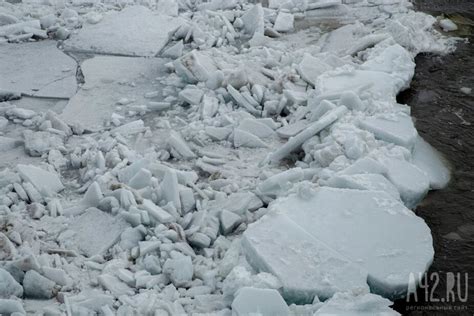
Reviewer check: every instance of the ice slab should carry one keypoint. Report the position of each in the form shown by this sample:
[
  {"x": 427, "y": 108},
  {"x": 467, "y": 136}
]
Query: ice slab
[
  {"x": 412, "y": 182},
  {"x": 134, "y": 31},
  {"x": 264, "y": 302},
  {"x": 395, "y": 128},
  {"x": 356, "y": 304},
  {"x": 46, "y": 182},
  {"x": 371, "y": 182},
  {"x": 381, "y": 85},
  {"x": 95, "y": 231},
  {"x": 284, "y": 22},
  {"x": 311, "y": 67},
  {"x": 37, "y": 69},
  {"x": 431, "y": 162},
  {"x": 305, "y": 266},
  {"x": 104, "y": 85},
  {"x": 368, "y": 229}
]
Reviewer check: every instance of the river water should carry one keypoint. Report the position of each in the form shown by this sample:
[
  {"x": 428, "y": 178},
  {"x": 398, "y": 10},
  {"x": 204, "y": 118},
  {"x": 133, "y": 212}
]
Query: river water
[{"x": 444, "y": 116}]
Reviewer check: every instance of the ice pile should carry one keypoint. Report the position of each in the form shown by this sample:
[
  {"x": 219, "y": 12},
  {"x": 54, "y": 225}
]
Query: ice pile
[{"x": 213, "y": 156}]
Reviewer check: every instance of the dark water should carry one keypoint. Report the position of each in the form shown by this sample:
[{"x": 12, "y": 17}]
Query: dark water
[{"x": 445, "y": 118}]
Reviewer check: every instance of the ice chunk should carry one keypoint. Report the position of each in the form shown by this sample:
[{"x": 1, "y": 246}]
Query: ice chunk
[
  {"x": 46, "y": 182},
  {"x": 295, "y": 142},
  {"x": 114, "y": 285},
  {"x": 305, "y": 267},
  {"x": 256, "y": 128},
  {"x": 37, "y": 69},
  {"x": 170, "y": 189},
  {"x": 179, "y": 146},
  {"x": 447, "y": 25},
  {"x": 9, "y": 286},
  {"x": 174, "y": 51},
  {"x": 95, "y": 231},
  {"x": 180, "y": 269},
  {"x": 218, "y": 133},
  {"x": 141, "y": 179},
  {"x": 195, "y": 66},
  {"x": 104, "y": 77},
  {"x": 411, "y": 182},
  {"x": 352, "y": 101},
  {"x": 229, "y": 221},
  {"x": 264, "y": 302},
  {"x": 242, "y": 101},
  {"x": 370, "y": 229},
  {"x": 371, "y": 182},
  {"x": 130, "y": 128},
  {"x": 7, "y": 143},
  {"x": 169, "y": 7},
  {"x": 349, "y": 303},
  {"x": 245, "y": 139},
  {"x": 157, "y": 212},
  {"x": 365, "y": 165},
  {"x": 39, "y": 143},
  {"x": 37, "y": 286},
  {"x": 254, "y": 24},
  {"x": 291, "y": 130},
  {"x": 284, "y": 22},
  {"x": 279, "y": 183},
  {"x": 134, "y": 31},
  {"x": 397, "y": 129},
  {"x": 431, "y": 162},
  {"x": 394, "y": 60},
  {"x": 311, "y": 67},
  {"x": 8, "y": 307},
  {"x": 191, "y": 96}
]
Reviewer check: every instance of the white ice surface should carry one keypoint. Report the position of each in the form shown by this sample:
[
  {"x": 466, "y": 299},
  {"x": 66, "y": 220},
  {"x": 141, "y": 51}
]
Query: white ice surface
[
  {"x": 412, "y": 182},
  {"x": 432, "y": 163},
  {"x": 37, "y": 69},
  {"x": 396, "y": 128},
  {"x": 107, "y": 80},
  {"x": 134, "y": 31},
  {"x": 95, "y": 231},
  {"x": 264, "y": 302},
  {"x": 46, "y": 182},
  {"x": 356, "y": 304},
  {"x": 368, "y": 229}
]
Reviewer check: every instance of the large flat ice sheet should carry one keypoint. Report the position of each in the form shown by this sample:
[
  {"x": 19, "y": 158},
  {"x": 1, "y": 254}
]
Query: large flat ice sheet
[
  {"x": 37, "y": 69},
  {"x": 107, "y": 80},
  {"x": 134, "y": 31},
  {"x": 366, "y": 229}
]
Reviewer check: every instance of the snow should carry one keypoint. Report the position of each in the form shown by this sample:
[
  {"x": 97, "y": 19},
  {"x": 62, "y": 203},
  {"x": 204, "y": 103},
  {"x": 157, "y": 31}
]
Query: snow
[
  {"x": 134, "y": 31},
  {"x": 265, "y": 302},
  {"x": 342, "y": 224},
  {"x": 37, "y": 69}
]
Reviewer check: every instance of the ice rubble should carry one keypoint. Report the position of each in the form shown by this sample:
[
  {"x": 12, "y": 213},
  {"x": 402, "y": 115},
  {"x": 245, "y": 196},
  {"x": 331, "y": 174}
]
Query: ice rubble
[{"x": 240, "y": 162}]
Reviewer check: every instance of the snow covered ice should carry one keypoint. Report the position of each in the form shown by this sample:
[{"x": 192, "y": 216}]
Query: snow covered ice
[{"x": 212, "y": 157}]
